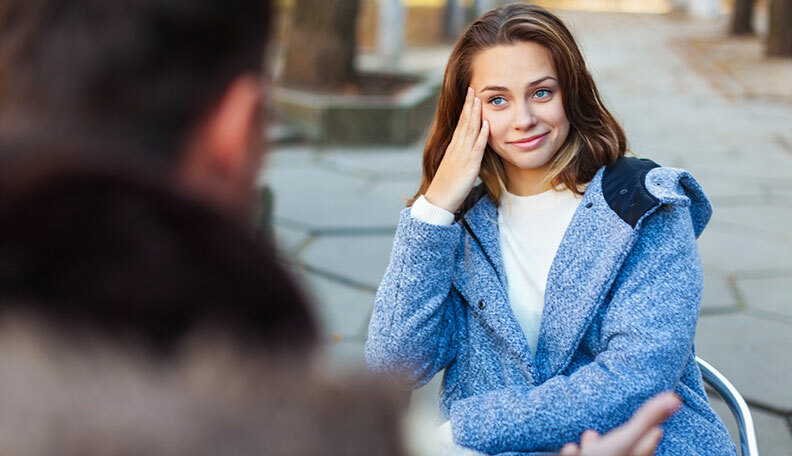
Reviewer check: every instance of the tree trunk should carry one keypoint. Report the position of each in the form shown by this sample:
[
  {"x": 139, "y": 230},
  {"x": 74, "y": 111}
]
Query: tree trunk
[
  {"x": 779, "y": 35},
  {"x": 320, "y": 51},
  {"x": 742, "y": 18},
  {"x": 453, "y": 20}
]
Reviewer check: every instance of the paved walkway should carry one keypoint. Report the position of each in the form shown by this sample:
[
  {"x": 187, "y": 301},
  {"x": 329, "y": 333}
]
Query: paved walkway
[{"x": 336, "y": 210}]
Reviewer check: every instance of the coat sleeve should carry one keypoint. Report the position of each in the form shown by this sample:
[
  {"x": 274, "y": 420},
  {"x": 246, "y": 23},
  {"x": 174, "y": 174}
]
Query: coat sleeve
[
  {"x": 413, "y": 330},
  {"x": 647, "y": 333}
]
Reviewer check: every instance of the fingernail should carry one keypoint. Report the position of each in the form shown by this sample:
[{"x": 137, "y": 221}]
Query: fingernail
[
  {"x": 485, "y": 124},
  {"x": 470, "y": 91},
  {"x": 476, "y": 101}
]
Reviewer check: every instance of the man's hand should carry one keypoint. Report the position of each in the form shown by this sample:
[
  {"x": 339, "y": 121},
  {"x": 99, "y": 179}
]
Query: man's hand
[{"x": 638, "y": 437}]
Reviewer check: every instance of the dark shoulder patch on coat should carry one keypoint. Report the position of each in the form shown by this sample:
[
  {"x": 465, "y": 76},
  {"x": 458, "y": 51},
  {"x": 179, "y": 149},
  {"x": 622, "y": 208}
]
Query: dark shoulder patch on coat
[
  {"x": 473, "y": 197},
  {"x": 624, "y": 188}
]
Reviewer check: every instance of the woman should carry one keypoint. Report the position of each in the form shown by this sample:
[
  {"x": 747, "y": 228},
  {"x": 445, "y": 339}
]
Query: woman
[{"x": 561, "y": 292}]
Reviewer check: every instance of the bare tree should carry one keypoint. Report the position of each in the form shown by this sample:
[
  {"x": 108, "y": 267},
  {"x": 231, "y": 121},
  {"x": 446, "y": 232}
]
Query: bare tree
[
  {"x": 779, "y": 36},
  {"x": 742, "y": 18},
  {"x": 320, "y": 51}
]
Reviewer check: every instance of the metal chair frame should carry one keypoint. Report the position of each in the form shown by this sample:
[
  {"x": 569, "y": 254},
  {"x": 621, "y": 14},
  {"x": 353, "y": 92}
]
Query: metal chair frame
[{"x": 739, "y": 408}]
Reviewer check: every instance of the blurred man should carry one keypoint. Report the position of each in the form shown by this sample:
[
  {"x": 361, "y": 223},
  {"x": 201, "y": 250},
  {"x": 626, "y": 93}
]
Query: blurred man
[{"x": 130, "y": 139}]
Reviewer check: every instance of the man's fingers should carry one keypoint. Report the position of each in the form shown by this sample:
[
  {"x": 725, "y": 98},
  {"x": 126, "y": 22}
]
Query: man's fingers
[
  {"x": 648, "y": 443},
  {"x": 589, "y": 437},
  {"x": 643, "y": 426},
  {"x": 652, "y": 413},
  {"x": 570, "y": 449}
]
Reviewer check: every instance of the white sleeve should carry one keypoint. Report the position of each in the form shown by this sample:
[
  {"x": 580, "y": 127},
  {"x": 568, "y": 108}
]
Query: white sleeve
[{"x": 427, "y": 212}]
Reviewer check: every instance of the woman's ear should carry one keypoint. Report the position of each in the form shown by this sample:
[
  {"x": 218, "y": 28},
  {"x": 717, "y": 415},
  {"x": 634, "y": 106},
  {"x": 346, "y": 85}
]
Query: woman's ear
[{"x": 223, "y": 156}]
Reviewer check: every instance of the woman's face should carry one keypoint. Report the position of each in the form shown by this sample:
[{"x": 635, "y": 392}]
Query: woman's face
[{"x": 521, "y": 98}]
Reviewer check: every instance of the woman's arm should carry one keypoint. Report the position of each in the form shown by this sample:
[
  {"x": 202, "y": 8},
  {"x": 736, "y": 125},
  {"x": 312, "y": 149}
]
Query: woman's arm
[
  {"x": 647, "y": 330},
  {"x": 412, "y": 330}
]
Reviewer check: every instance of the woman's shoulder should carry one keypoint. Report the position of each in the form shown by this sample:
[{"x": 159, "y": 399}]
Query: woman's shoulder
[{"x": 632, "y": 187}]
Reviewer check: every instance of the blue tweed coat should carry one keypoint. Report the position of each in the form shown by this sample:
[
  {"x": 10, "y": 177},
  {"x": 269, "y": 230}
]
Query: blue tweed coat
[{"x": 620, "y": 313}]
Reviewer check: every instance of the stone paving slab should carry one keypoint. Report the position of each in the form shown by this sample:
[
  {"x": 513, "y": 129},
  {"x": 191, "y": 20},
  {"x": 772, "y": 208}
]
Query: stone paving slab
[
  {"x": 772, "y": 431},
  {"x": 753, "y": 353},
  {"x": 721, "y": 249},
  {"x": 769, "y": 220},
  {"x": 768, "y": 294},
  {"x": 290, "y": 240},
  {"x": 323, "y": 199},
  {"x": 774, "y": 164},
  {"x": 385, "y": 163},
  {"x": 633, "y": 68},
  {"x": 723, "y": 190},
  {"x": 288, "y": 157},
  {"x": 718, "y": 294},
  {"x": 360, "y": 259},
  {"x": 343, "y": 311},
  {"x": 786, "y": 192}
]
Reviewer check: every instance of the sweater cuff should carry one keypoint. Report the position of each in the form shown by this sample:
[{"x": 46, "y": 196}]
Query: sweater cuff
[{"x": 427, "y": 212}]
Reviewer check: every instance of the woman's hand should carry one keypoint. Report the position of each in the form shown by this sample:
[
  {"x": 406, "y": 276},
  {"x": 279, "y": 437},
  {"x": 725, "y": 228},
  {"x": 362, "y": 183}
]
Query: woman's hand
[
  {"x": 462, "y": 159},
  {"x": 638, "y": 437}
]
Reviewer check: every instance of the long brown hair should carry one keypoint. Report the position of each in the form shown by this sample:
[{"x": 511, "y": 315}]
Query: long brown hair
[{"x": 595, "y": 137}]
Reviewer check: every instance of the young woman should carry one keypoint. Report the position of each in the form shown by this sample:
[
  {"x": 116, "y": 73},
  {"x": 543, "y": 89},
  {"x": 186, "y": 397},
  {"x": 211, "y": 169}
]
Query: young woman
[{"x": 561, "y": 292}]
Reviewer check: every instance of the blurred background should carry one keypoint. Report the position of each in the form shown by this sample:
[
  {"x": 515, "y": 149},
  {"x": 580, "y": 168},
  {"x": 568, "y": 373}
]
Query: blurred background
[{"x": 704, "y": 85}]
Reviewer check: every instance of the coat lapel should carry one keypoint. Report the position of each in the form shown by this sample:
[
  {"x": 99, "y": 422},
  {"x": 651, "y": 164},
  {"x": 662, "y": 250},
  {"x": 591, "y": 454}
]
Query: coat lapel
[
  {"x": 479, "y": 281},
  {"x": 483, "y": 221},
  {"x": 588, "y": 259}
]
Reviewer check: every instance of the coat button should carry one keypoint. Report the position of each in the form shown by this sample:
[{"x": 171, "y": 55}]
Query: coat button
[{"x": 482, "y": 305}]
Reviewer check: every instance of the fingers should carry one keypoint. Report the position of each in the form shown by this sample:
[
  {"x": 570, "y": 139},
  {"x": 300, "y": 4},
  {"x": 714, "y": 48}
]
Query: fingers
[
  {"x": 641, "y": 434},
  {"x": 481, "y": 142},
  {"x": 474, "y": 123},
  {"x": 588, "y": 439},
  {"x": 652, "y": 413},
  {"x": 570, "y": 449},
  {"x": 648, "y": 443},
  {"x": 464, "y": 118}
]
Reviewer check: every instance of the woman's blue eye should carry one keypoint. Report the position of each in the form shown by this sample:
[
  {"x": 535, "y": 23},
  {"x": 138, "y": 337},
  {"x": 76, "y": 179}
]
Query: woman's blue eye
[
  {"x": 542, "y": 93},
  {"x": 498, "y": 101}
]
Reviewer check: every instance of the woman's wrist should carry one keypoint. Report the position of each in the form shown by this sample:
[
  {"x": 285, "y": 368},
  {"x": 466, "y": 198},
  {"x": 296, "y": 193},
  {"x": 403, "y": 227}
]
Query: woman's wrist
[
  {"x": 439, "y": 199},
  {"x": 423, "y": 210}
]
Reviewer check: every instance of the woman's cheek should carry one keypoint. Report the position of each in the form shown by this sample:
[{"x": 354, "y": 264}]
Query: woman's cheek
[{"x": 495, "y": 127}]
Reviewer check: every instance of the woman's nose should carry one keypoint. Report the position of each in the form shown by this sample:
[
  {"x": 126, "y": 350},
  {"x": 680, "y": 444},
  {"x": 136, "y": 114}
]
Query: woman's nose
[{"x": 524, "y": 118}]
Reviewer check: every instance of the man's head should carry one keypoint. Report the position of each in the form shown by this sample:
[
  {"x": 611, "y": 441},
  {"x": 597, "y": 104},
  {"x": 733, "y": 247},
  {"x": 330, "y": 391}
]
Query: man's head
[{"x": 177, "y": 81}]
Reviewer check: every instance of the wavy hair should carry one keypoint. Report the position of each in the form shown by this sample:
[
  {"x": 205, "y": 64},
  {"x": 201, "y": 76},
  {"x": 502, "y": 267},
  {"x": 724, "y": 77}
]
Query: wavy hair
[{"x": 595, "y": 137}]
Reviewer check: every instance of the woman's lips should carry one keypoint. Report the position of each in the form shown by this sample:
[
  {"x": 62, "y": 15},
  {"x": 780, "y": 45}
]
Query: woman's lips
[{"x": 529, "y": 143}]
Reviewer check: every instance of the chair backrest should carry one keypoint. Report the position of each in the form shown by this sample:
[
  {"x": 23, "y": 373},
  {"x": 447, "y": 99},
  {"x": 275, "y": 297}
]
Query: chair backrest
[{"x": 737, "y": 405}]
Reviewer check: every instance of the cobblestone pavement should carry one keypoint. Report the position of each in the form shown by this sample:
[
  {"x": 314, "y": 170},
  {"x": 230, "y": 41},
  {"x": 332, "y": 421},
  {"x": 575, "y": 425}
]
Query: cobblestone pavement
[{"x": 336, "y": 209}]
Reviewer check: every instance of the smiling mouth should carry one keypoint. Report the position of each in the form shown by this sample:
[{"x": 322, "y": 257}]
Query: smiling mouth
[{"x": 530, "y": 143}]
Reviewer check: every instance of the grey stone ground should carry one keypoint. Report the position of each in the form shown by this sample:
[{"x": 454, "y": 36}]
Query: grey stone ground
[{"x": 336, "y": 209}]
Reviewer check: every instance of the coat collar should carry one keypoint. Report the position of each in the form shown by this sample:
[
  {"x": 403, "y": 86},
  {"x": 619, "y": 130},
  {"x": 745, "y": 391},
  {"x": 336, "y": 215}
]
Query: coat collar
[{"x": 588, "y": 258}]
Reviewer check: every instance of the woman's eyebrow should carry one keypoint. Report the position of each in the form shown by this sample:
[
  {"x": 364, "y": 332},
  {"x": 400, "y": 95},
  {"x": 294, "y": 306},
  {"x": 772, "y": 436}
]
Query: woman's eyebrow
[
  {"x": 504, "y": 89},
  {"x": 494, "y": 89},
  {"x": 541, "y": 80}
]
